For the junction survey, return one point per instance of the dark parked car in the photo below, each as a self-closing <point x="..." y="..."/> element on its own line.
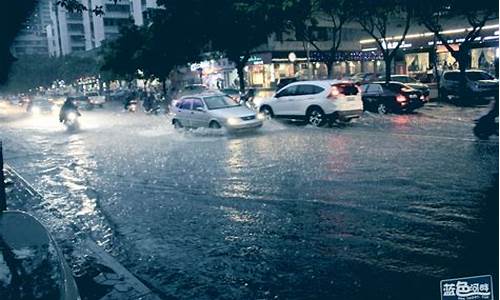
<point x="393" y="97"/>
<point x="413" y="83"/>
<point x="233" y="93"/>
<point x="478" y="84"/>
<point x="363" y="78"/>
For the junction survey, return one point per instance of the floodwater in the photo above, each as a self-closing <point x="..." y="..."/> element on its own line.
<point x="383" y="208"/>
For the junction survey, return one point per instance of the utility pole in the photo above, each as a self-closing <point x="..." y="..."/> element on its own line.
<point x="3" y="197"/>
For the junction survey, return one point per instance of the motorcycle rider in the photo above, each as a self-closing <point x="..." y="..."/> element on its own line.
<point x="149" y="101"/>
<point x="248" y="97"/>
<point x="129" y="100"/>
<point x="487" y="125"/>
<point x="67" y="107"/>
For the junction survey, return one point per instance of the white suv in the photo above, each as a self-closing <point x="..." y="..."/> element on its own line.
<point x="315" y="101"/>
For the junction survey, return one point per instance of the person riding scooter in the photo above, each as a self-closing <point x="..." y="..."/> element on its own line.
<point x="68" y="106"/>
<point x="487" y="125"/>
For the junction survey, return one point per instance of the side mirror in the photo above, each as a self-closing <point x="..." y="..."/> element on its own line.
<point x="200" y="109"/>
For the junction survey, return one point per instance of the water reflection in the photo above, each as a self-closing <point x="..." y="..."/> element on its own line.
<point x="234" y="185"/>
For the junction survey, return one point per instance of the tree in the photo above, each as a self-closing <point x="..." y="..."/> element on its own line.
<point x="32" y="71"/>
<point x="239" y="26"/>
<point x="378" y="18"/>
<point x="173" y="38"/>
<point x="12" y="16"/>
<point x="121" y="56"/>
<point x="305" y="15"/>
<point x="431" y="14"/>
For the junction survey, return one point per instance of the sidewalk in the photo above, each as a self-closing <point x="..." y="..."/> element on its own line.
<point x="97" y="274"/>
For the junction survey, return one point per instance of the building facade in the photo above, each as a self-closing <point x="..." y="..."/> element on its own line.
<point x="54" y="31"/>
<point x="33" y="37"/>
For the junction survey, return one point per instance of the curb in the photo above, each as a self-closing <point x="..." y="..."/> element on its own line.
<point x="98" y="274"/>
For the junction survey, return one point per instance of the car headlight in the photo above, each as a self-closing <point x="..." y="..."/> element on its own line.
<point x="36" y="110"/>
<point x="261" y="116"/>
<point x="71" y="116"/>
<point x="233" y="121"/>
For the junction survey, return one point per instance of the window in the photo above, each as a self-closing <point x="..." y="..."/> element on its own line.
<point x="117" y="8"/>
<point x="373" y="89"/>
<point x="395" y="87"/>
<point x="217" y="102"/>
<point x="308" y="89"/>
<point x="186" y="104"/>
<point x="453" y="76"/>
<point x="197" y="103"/>
<point x="475" y="76"/>
<point x="289" y="91"/>
<point x="75" y="27"/>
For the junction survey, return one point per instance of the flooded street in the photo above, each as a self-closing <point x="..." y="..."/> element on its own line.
<point x="387" y="206"/>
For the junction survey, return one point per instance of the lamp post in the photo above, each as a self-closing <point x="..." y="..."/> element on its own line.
<point x="292" y="57"/>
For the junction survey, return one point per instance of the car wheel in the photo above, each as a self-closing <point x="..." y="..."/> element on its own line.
<point x="177" y="124"/>
<point x="316" y="117"/>
<point x="214" y="125"/>
<point x="267" y="112"/>
<point x="382" y="109"/>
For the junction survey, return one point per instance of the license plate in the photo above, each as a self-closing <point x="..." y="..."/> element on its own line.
<point x="351" y="98"/>
<point x="413" y="96"/>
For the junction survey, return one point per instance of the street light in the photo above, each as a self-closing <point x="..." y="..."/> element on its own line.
<point x="292" y="57"/>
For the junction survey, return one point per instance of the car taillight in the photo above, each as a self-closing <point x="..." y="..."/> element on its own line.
<point x="400" y="98"/>
<point x="359" y="89"/>
<point x="334" y="92"/>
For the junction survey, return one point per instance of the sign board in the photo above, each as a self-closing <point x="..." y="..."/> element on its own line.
<point x="467" y="288"/>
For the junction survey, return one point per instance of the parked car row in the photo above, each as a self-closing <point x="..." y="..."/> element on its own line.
<point x="315" y="102"/>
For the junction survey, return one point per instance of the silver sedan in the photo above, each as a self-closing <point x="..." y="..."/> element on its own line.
<point x="214" y="110"/>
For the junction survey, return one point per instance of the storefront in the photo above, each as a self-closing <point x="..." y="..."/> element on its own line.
<point x="419" y="52"/>
<point x="264" y="70"/>
<point x="220" y="73"/>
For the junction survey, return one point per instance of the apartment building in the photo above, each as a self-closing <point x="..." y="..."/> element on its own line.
<point x="54" y="31"/>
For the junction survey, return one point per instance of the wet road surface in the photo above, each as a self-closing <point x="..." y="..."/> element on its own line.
<point x="380" y="209"/>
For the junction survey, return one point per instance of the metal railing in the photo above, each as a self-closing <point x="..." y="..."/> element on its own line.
<point x="3" y="196"/>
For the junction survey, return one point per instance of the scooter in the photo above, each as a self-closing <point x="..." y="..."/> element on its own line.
<point x="70" y="119"/>
<point x="132" y="106"/>
<point x="486" y="126"/>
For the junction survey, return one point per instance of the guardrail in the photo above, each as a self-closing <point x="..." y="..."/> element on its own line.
<point x="3" y="196"/>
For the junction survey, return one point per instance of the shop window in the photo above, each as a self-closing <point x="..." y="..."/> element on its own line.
<point x="417" y="62"/>
<point x="483" y="59"/>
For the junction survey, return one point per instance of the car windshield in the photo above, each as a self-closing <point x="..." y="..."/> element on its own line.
<point x="475" y="76"/>
<point x="218" y="102"/>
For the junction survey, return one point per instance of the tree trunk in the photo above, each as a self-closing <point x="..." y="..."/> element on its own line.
<point x="165" y="96"/>
<point x="388" y="62"/>
<point x="240" y="66"/>
<point x="329" y="65"/>
<point x="164" y="87"/>
<point x="462" y="58"/>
